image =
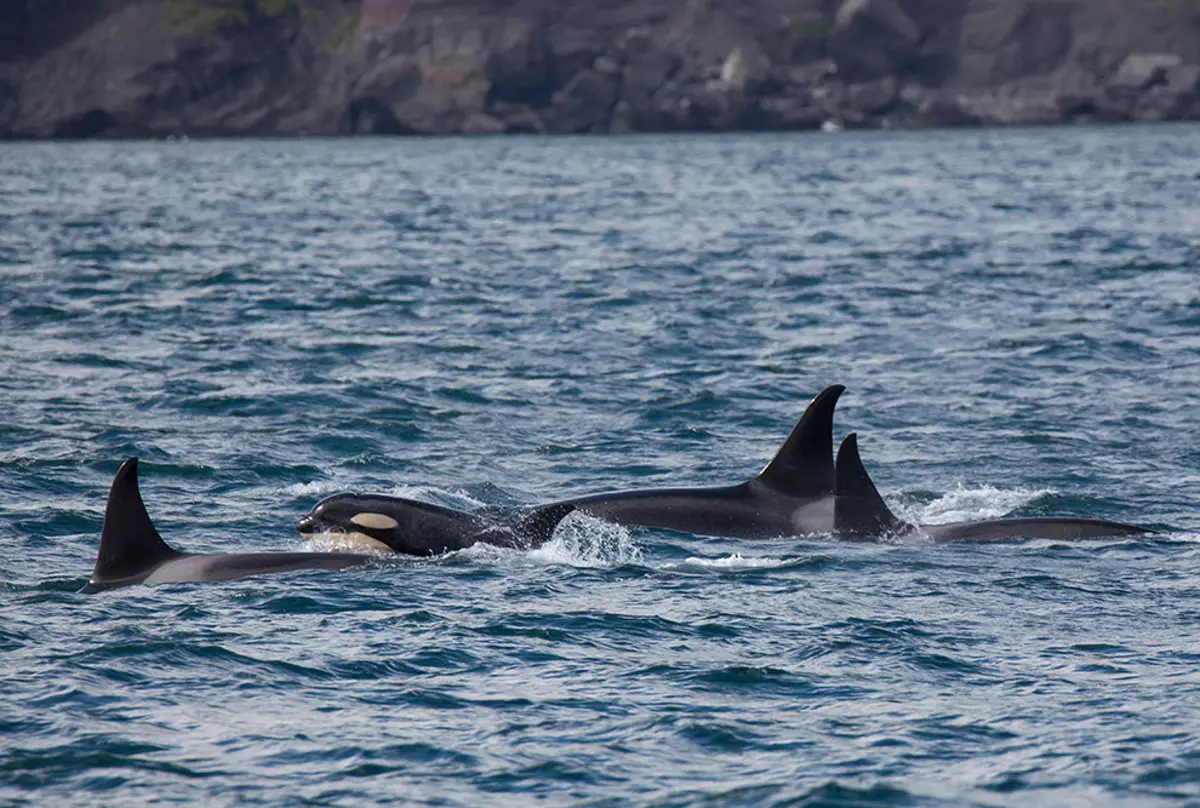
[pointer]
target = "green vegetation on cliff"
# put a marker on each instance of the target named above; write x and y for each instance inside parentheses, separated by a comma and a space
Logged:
(344, 30)
(208, 16)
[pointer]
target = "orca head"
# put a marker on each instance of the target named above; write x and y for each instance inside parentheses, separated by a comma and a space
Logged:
(373, 518)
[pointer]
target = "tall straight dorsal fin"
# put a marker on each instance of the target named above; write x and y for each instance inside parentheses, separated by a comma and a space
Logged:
(538, 527)
(859, 512)
(803, 466)
(129, 544)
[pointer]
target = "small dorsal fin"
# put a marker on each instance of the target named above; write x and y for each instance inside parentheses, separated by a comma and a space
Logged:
(803, 466)
(129, 544)
(538, 527)
(859, 512)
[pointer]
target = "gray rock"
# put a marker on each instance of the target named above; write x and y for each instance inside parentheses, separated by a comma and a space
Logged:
(571, 51)
(872, 96)
(480, 123)
(524, 121)
(872, 38)
(829, 97)
(393, 80)
(10, 107)
(1183, 81)
(945, 109)
(805, 76)
(606, 65)
(1075, 92)
(520, 72)
(788, 113)
(648, 67)
(585, 104)
(1141, 70)
(622, 119)
(370, 116)
(744, 71)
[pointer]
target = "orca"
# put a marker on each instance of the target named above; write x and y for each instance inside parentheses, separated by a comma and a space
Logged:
(423, 529)
(132, 552)
(793, 495)
(860, 514)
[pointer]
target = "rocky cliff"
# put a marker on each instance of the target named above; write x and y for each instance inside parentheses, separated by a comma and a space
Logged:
(85, 68)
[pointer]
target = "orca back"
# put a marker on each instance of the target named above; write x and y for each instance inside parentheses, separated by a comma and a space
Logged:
(803, 466)
(859, 512)
(130, 547)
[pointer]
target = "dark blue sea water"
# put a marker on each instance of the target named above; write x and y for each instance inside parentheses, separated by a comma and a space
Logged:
(1016, 315)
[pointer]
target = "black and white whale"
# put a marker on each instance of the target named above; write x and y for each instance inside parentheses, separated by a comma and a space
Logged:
(132, 552)
(860, 514)
(793, 495)
(422, 529)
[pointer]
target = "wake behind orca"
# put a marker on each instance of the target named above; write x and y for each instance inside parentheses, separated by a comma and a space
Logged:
(860, 514)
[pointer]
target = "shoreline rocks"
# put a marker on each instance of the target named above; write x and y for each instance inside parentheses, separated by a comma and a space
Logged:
(429, 67)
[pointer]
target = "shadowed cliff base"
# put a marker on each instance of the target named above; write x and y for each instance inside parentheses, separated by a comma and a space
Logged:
(120, 68)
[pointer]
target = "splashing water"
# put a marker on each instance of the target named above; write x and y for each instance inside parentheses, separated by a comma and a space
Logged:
(584, 541)
(579, 541)
(734, 561)
(969, 504)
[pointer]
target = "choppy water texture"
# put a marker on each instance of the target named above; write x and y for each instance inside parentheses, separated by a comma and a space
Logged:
(1017, 318)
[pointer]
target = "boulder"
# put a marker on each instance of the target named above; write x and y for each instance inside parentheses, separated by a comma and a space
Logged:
(1148, 87)
(1175, 98)
(871, 39)
(480, 123)
(1141, 70)
(524, 121)
(1184, 81)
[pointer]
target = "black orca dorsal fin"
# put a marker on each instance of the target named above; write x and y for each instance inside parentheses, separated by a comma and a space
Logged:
(859, 512)
(803, 466)
(538, 527)
(129, 544)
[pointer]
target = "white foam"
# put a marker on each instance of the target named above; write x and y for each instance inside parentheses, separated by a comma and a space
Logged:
(313, 488)
(579, 541)
(346, 543)
(970, 504)
(734, 561)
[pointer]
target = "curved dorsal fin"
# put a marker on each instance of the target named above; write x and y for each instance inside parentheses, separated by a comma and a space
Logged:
(803, 466)
(129, 544)
(859, 512)
(538, 527)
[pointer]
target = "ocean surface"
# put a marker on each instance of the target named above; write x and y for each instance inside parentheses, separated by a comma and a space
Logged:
(1015, 314)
